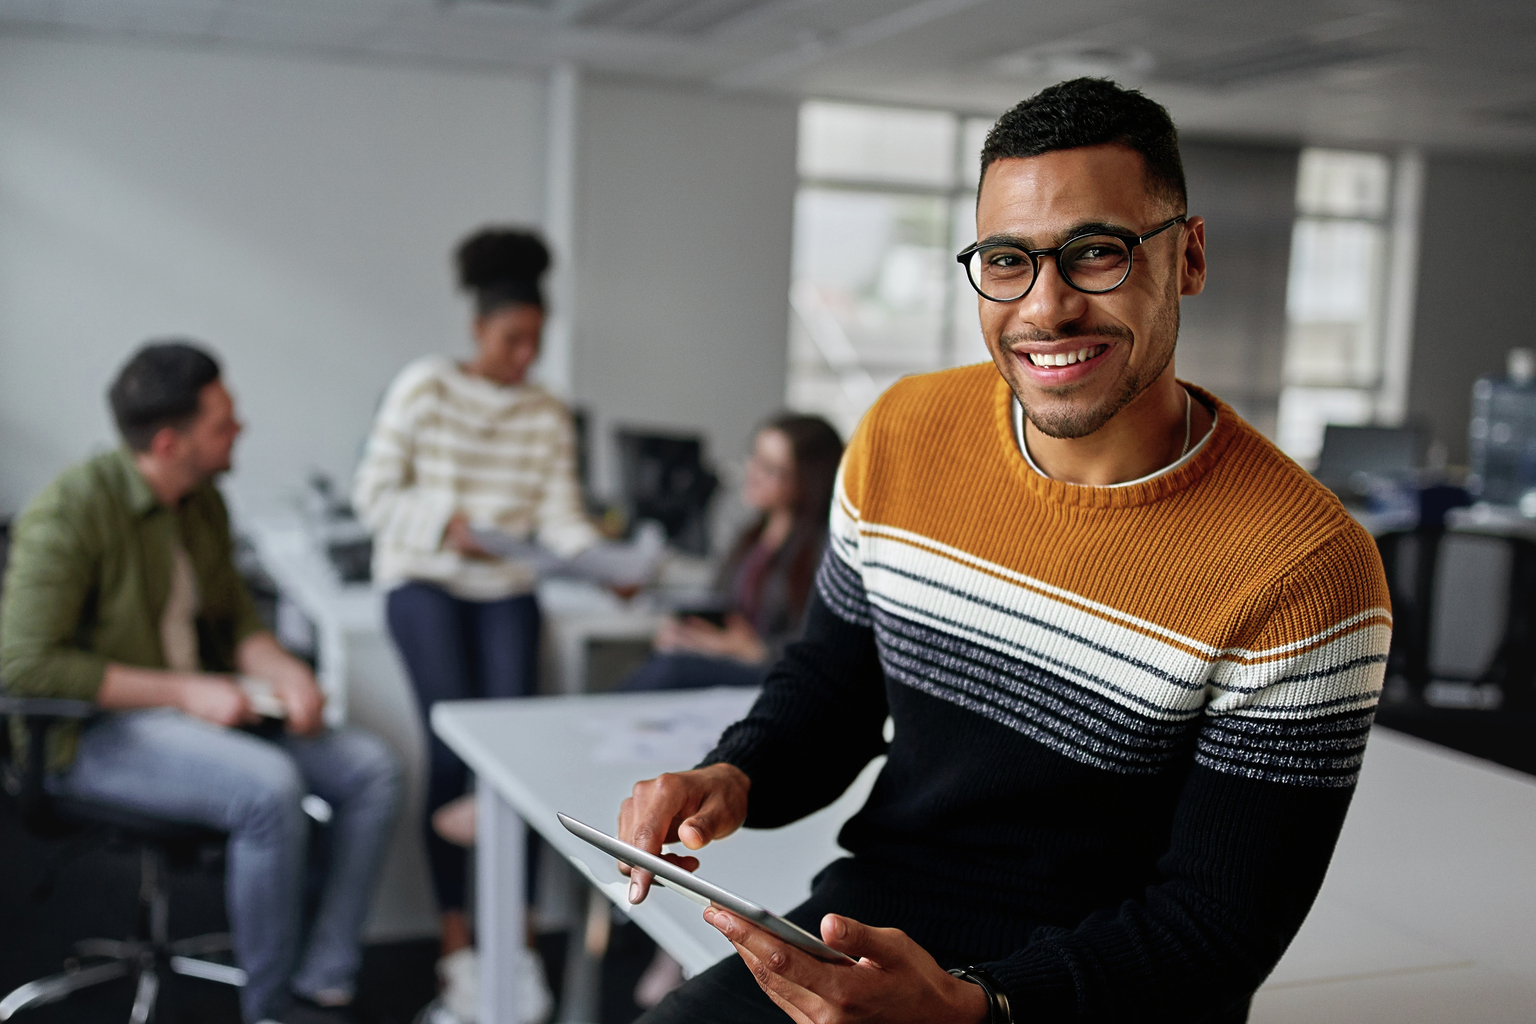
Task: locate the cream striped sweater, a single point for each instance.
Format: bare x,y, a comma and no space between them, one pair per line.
445,441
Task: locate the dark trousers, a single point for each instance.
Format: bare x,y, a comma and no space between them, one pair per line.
692,672
455,650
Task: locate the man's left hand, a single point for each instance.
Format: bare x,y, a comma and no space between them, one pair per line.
894,981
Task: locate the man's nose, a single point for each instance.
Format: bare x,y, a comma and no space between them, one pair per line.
1052,301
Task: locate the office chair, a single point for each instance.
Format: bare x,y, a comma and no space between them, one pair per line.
1464,611
150,951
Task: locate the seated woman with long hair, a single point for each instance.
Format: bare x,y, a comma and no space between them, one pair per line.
765,582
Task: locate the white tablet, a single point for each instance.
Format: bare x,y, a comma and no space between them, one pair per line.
701,892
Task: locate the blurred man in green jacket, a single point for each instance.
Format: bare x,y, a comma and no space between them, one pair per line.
122,590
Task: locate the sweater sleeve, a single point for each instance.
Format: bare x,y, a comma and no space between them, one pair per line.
1275,764
818,722
384,491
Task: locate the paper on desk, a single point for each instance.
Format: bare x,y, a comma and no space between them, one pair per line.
676,736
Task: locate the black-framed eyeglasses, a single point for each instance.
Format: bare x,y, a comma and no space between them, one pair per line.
1094,262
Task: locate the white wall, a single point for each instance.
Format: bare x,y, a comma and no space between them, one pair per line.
296,215
684,219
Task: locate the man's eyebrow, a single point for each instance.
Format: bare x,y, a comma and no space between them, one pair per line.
1085,228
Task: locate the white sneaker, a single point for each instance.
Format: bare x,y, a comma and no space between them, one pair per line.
460,974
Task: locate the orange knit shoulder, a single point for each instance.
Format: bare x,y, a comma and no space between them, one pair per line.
919,423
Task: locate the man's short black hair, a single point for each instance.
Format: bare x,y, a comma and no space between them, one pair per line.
159,388
1093,112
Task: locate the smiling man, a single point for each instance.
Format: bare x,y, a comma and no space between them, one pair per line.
1131,652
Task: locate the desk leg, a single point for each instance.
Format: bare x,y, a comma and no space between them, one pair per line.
500,849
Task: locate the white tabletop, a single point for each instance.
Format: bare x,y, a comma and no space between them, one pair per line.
1428,913
582,754
1430,900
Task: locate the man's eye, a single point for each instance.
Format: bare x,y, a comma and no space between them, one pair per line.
1006,260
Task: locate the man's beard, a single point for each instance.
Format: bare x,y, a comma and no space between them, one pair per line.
1073,421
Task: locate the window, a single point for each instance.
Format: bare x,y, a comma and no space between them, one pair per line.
1336,297
887,197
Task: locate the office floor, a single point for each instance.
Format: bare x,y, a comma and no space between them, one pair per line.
95,894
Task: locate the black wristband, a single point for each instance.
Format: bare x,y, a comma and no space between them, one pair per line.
998,1011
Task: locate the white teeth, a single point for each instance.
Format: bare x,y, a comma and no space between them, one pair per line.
1063,358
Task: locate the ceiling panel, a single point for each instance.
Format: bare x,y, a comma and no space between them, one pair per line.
1384,71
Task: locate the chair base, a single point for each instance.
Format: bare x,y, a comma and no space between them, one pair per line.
144,958
125,958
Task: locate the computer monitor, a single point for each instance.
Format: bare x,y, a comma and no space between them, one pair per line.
582,427
664,478
1391,453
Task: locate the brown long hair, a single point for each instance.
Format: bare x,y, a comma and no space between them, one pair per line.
817,449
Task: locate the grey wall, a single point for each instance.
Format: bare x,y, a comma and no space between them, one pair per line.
1477,286
684,216
295,214
1232,337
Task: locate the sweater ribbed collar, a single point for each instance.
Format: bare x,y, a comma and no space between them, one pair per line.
1159,485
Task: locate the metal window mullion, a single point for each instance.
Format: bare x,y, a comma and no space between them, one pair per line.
948,343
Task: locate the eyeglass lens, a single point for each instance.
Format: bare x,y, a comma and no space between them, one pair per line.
1092,263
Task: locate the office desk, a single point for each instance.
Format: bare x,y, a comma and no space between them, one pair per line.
575,614
366,684
1428,914
535,757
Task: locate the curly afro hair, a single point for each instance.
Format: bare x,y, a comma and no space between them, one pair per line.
502,267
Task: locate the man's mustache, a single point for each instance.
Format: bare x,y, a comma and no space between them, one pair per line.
1100,331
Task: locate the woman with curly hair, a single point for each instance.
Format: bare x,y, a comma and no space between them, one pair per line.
461,449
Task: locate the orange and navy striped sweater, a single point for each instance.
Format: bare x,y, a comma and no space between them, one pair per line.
1127,720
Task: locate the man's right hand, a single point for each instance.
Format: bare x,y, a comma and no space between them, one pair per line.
215,699
691,808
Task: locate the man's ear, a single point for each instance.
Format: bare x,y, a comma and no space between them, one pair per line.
166,444
1192,258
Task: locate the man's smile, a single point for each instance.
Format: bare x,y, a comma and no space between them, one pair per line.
1081,355
1052,364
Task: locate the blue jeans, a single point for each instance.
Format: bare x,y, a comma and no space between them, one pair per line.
166,764
457,650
